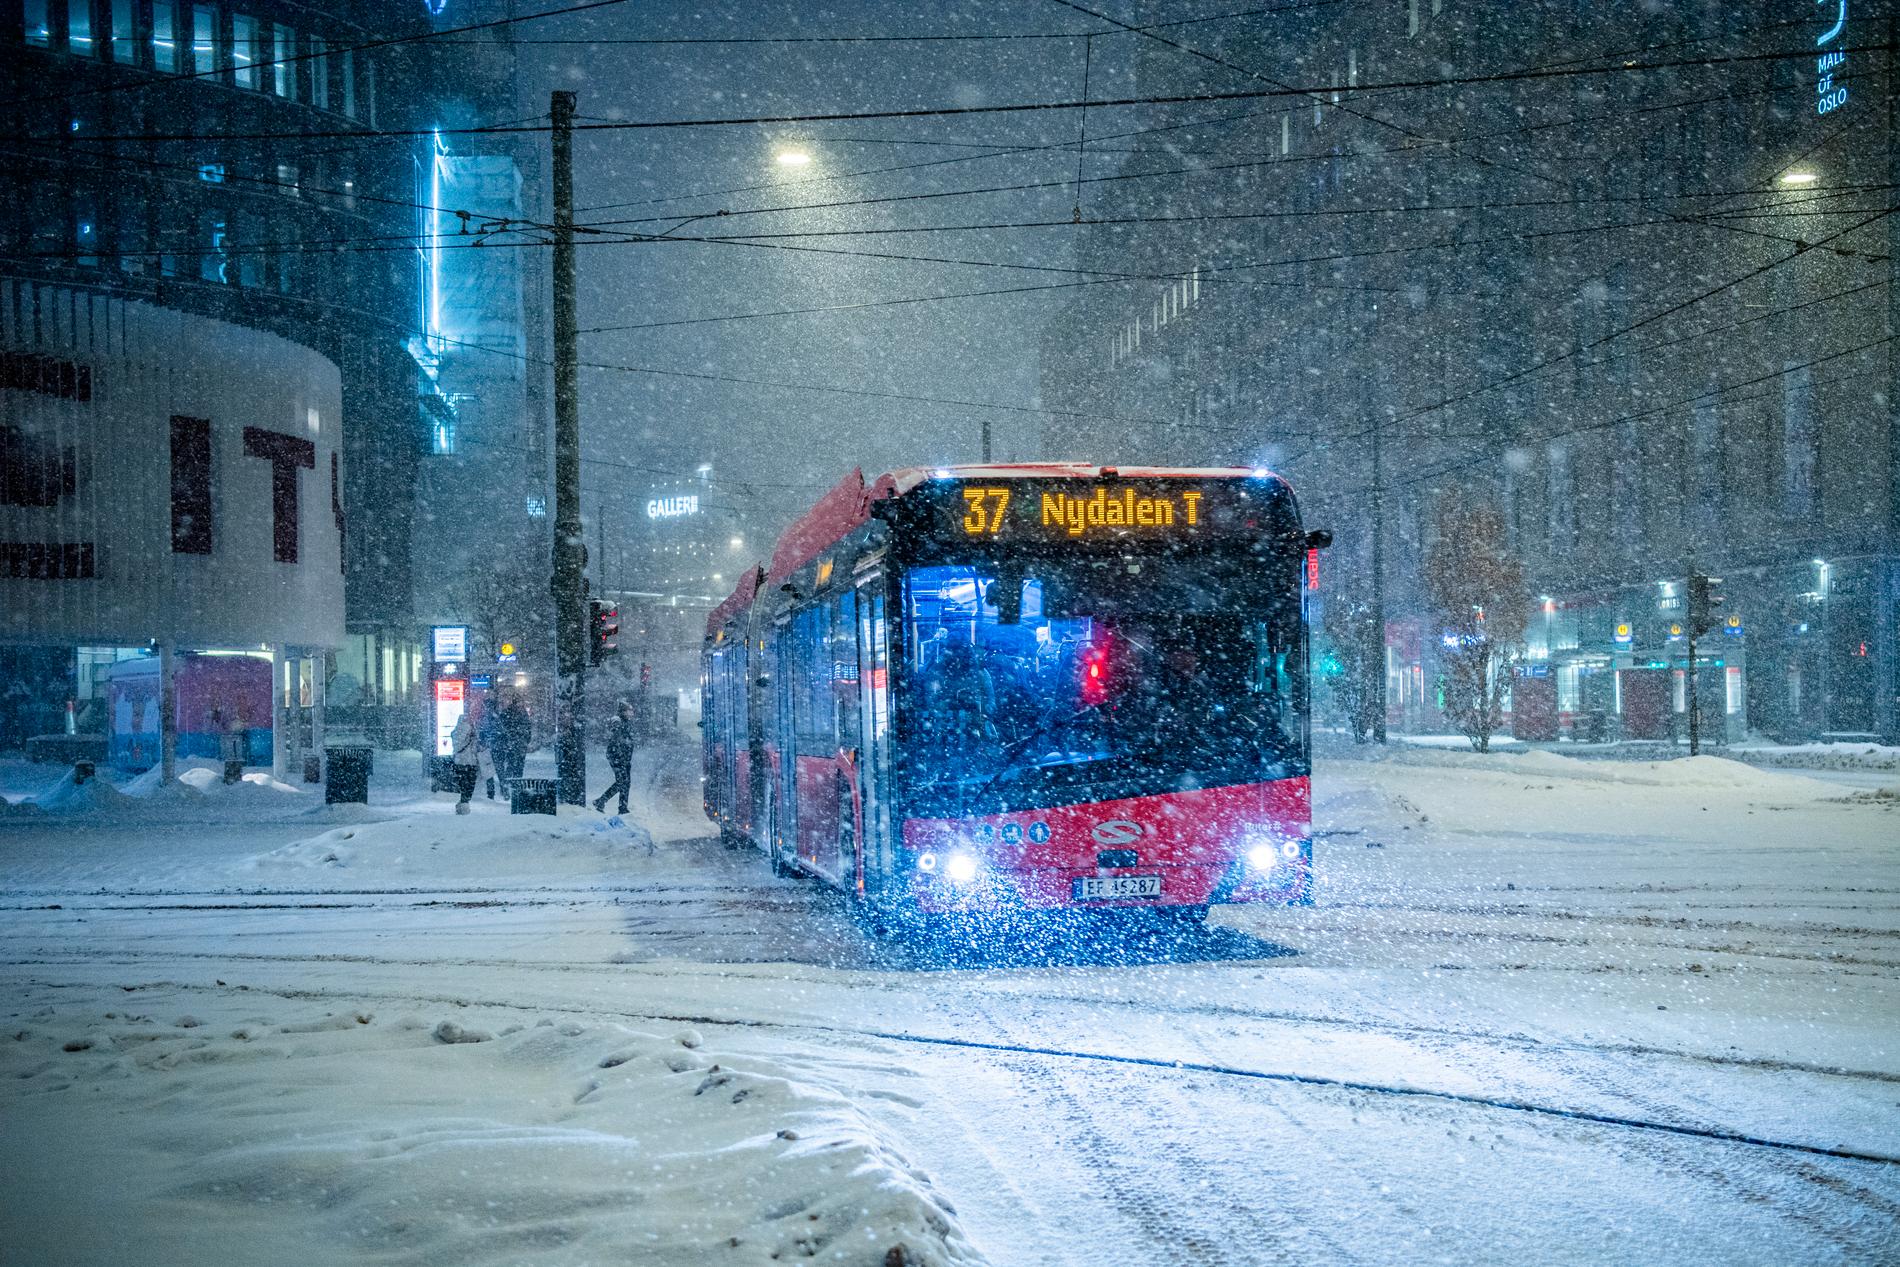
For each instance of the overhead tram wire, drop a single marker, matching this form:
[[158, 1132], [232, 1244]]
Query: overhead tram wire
[[1030, 107], [1674, 308], [193, 177], [1648, 349], [1339, 101], [1305, 213], [1306, 7], [1716, 392]]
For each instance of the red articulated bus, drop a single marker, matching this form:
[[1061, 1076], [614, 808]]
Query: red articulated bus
[[1021, 688]]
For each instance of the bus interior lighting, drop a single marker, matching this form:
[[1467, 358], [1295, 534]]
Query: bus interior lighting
[[960, 869], [926, 862]]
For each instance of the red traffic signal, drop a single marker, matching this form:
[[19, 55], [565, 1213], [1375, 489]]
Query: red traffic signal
[[604, 630]]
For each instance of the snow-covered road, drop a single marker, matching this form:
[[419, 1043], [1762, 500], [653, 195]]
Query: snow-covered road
[[1544, 1011]]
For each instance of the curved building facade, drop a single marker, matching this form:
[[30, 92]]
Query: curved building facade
[[260, 170], [150, 494]]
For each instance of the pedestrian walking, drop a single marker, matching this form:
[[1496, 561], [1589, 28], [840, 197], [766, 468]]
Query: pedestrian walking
[[514, 735], [619, 756], [468, 760]]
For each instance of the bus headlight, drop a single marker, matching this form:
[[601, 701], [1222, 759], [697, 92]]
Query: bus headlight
[[1262, 857], [960, 868]]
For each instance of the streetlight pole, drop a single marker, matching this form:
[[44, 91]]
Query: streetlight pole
[[570, 546], [1378, 580]]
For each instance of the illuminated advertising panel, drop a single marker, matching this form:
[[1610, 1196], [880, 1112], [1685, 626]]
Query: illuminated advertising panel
[[451, 700]]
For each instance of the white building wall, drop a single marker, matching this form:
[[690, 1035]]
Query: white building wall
[[146, 365]]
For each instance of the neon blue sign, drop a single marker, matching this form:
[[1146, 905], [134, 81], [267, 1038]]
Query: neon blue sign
[[1828, 96]]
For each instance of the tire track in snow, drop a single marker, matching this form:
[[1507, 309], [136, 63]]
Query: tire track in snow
[[1402, 1029], [1316, 1081]]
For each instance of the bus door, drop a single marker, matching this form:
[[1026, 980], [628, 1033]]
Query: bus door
[[874, 863], [781, 822]]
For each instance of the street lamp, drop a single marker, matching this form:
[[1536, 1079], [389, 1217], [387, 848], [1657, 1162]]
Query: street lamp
[[1799, 178], [792, 158]]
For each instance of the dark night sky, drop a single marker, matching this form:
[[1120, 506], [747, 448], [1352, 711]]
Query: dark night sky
[[969, 349]]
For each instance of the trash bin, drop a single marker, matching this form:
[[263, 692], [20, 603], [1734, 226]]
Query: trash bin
[[348, 770], [532, 796], [1596, 726], [442, 774]]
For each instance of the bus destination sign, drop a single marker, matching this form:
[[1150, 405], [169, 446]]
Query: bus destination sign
[[992, 510]]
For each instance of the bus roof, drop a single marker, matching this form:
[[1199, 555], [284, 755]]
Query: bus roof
[[741, 598], [848, 504]]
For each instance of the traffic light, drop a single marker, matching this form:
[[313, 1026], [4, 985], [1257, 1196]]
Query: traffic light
[[1703, 600], [604, 630]]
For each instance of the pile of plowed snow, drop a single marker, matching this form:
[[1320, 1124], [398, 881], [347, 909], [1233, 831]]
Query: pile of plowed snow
[[469, 1139], [439, 844]]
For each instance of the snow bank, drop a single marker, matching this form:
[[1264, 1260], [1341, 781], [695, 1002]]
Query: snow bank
[[69, 796], [1821, 756], [485, 845], [1699, 772], [461, 1140]]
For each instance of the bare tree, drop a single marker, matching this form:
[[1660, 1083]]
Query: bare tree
[[1358, 646], [1479, 595], [503, 603]]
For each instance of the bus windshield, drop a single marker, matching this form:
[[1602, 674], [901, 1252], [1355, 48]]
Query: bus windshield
[[1046, 682]]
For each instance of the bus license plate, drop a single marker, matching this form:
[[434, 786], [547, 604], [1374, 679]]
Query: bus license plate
[[1100, 888]]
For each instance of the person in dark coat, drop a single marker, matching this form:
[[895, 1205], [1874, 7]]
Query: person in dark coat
[[514, 734], [619, 756]]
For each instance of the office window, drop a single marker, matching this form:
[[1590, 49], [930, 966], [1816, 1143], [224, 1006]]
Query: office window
[[348, 70], [38, 33], [245, 54], [130, 242], [1705, 443], [1797, 440], [319, 72], [287, 180], [283, 71], [125, 39], [1627, 507], [213, 245], [204, 39], [250, 261], [1562, 517], [86, 234], [79, 27], [1411, 17], [164, 46]]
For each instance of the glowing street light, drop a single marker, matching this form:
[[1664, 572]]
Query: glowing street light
[[1799, 178], [792, 158]]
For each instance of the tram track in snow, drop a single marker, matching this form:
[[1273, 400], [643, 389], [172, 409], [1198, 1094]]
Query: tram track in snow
[[738, 971], [1174, 1066]]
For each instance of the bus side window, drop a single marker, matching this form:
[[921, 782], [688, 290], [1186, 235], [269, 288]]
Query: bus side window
[[842, 664]]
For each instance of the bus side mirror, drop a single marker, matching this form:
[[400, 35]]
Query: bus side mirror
[[1319, 539]]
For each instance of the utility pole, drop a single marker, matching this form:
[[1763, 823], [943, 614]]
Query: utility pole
[[986, 440], [570, 546], [1378, 579]]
